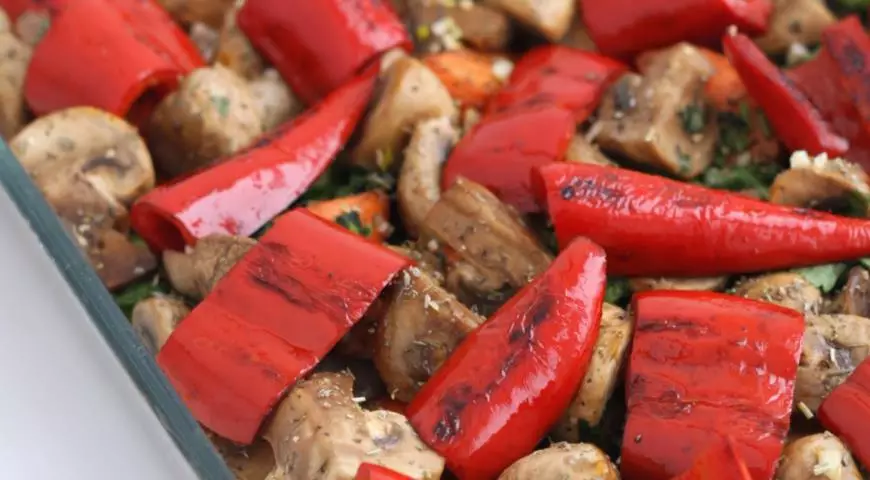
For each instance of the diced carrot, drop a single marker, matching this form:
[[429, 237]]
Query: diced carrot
[[468, 75], [724, 89], [366, 214]]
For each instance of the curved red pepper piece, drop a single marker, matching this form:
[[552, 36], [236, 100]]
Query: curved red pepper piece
[[368, 471], [654, 226], [280, 309], [846, 412], [318, 45], [719, 462], [501, 151], [705, 365], [555, 74], [498, 393], [240, 194], [623, 28], [107, 54], [795, 120]]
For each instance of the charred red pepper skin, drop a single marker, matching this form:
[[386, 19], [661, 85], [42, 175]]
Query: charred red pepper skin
[[97, 53], [653, 226], [317, 46], [501, 390], [239, 195], [368, 471], [846, 412], [501, 151], [719, 462], [705, 365], [280, 309], [623, 28], [555, 74]]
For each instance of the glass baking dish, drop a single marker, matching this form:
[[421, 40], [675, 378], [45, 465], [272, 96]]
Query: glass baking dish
[[110, 322]]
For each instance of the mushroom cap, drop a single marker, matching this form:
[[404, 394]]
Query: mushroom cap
[[551, 18], [788, 289], [643, 284], [563, 460], [273, 99], [16, 58], [235, 51], [817, 457], [209, 12], [854, 298], [822, 183], [5, 23], [195, 272], [155, 318]]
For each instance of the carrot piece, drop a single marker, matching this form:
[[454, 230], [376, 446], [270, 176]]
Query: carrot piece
[[724, 89], [366, 214], [467, 75]]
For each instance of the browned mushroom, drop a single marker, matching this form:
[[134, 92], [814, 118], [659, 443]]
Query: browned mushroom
[[563, 461], [196, 272], [795, 21], [482, 289], [206, 39], [16, 58], [155, 318], [817, 457], [643, 284], [440, 26], [235, 50], [578, 36], [274, 101], [854, 298], [583, 151], [209, 12], [250, 462], [550, 18], [788, 289], [822, 183]]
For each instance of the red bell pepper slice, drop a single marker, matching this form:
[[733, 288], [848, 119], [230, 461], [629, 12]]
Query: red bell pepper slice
[[280, 309], [239, 195], [846, 412], [797, 123], [555, 74], [501, 390], [623, 28], [719, 462], [501, 151], [654, 226], [705, 365], [318, 45], [368, 471], [108, 54]]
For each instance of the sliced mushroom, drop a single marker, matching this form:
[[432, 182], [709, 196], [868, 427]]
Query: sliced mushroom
[[563, 461], [209, 12], [196, 272], [15, 56], [273, 100], [5, 24], [318, 432], [155, 318], [817, 457], [409, 94], [484, 291], [426, 260], [249, 462], [854, 299], [419, 186], [661, 119], [833, 346], [212, 114], [482, 27], [206, 40], [822, 183], [700, 284], [602, 374], [236, 52], [550, 18], [787, 289], [422, 326], [582, 151], [795, 21]]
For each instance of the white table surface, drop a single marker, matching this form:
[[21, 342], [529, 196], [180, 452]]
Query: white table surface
[[68, 410]]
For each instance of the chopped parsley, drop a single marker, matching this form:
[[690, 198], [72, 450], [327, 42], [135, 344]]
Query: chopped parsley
[[133, 293], [824, 277], [693, 118], [617, 291], [352, 221], [757, 177]]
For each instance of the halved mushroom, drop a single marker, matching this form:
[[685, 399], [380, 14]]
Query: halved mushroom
[[419, 186], [273, 100], [482, 27], [91, 165], [817, 457], [481, 289], [833, 346], [236, 52], [155, 318], [409, 93], [550, 18], [426, 260], [206, 40], [661, 119], [795, 21], [699, 284], [583, 151], [15, 56], [212, 114], [318, 432], [602, 374], [422, 326], [563, 461], [195, 272], [787, 289], [250, 462], [854, 298], [822, 183], [209, 12]]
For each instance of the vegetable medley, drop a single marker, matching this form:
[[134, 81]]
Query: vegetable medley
[[513, 239]]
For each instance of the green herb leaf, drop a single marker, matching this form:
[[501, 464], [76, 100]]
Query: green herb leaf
[[684, 160], [352, 221], [133, 293], [825, 277], [734, 134], [617, 291], [854, 4], [755, 177], [865, 262], [222, 104], [694, 118]]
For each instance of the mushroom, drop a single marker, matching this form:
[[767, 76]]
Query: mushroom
[[788, 289], [31, 25], [409, 93], [833, 346], [661, 119], [209, 12], [5, 24], [91, 165], [795, 22], [206, 40], [583, 151], [854, 298], [422, 326], [236, 52], [419, 185], [212, 114], [318, 432], [196, 272], [643, 284], [562, 461], [16, 58], [550, 18], [249, 462], [578, 37], [438, 25], [155, 318], [817, 457], [822, 183], [482, 289], [602, 374], [273, 100]]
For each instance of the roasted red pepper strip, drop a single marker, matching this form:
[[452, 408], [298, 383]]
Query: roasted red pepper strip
[[623, 28], [554, 74], [498, 394], [318, 45], [705, 365], [797, 123], [501, 151], [846, 412], [719, 462], [100, 53], [368, 471], [654, 226], [280, 309], [240, 194]]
